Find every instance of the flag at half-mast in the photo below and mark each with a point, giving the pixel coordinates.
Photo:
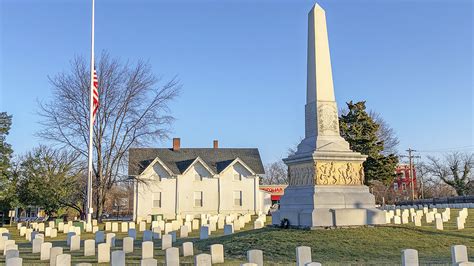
(95, 95)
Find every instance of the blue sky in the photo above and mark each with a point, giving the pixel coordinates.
(242, 64)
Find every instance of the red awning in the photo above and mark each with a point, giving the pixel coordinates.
(276, 197)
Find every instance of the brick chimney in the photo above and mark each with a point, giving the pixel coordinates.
(176, 144)
(216, 144)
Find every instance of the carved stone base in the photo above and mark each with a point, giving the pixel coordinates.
(325, 190)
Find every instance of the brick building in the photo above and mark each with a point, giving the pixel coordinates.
(402, 186)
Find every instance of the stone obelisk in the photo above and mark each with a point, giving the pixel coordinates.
(326, 179)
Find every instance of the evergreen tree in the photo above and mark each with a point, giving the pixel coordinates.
(360, 130)
(7, 187)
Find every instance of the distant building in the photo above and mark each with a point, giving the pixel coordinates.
(402, 186)
(171, 181)
(276, 191)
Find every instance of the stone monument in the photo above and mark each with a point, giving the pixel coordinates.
(326, 179)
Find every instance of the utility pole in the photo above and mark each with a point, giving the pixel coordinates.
(410, 159)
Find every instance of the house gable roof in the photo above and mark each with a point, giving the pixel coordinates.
(178, 161)
(155, 161)
(199, 160)
(237, 160)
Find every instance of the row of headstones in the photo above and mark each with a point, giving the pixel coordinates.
(404, 216)
(439, 206)
(459, 256)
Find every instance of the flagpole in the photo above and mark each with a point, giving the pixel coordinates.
(91, 126)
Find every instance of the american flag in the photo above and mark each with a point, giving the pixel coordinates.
(95, 95)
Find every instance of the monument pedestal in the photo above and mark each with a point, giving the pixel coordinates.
(328, 206)
(326, 190)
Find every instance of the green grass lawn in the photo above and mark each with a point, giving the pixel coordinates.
(379, 245)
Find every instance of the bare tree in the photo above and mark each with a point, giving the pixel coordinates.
(386, 134)
(134, 111)
(455, 169)
(276, 174)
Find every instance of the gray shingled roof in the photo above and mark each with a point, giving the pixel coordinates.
(178, 161)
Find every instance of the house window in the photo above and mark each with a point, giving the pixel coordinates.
(237, 177)
(157, 200)
(197, 198)
(238, 198)
(404, 187)
(395, 186)
(197, 177)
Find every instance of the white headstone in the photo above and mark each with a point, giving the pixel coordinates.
(118, 258)
(203, 260)
(36, 245)
(149, 262)
(459, 254)
(115, 227)
(12, 253)
(439, 223)
(103, 253)
(147, 250)
(124, 227)
(110, 239)
(410, 257)
(63, 260)
(183, 231)
(75, 243)
(255, 256)
(89, 247)
(108, 226)
(142, 226)
(47, 231)
(61, 227)
(53, 254)
(168, 228)
(303, 255)
(172, 257)
(217, 253)
(166, 241)
(16, 261)
(54, 232)
(23, 231)
(459, 223)
(45, 250)
(188, 249)
(9, 244)
(128, 244)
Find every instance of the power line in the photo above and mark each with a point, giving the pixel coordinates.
(469, 147)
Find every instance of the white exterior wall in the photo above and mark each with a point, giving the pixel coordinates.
(229, 185)
(218, 192)
(187, 185)
(154, 183)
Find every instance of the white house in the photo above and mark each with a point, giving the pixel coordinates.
(171, 181)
